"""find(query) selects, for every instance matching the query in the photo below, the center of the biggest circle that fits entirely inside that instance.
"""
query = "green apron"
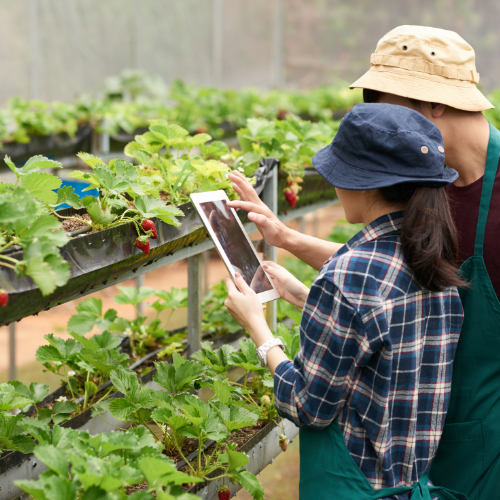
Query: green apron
(328, 472)
(468, 457)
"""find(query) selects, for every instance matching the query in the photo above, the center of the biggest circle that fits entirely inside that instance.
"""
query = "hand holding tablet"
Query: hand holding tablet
(232, 242)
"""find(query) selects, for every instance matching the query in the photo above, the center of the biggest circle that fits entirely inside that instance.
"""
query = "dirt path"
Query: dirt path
(30, 330)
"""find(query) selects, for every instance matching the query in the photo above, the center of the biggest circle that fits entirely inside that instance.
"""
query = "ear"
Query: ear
(433, 109)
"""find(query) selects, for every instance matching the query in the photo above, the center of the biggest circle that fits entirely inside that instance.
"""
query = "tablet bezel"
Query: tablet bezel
(197, 199)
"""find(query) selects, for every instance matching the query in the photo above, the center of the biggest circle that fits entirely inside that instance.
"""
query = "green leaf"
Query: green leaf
(100, 218)
(35, 489)
(53, 458)
(121, 409)
(41, 186)
(42, 274)
(126, 382)
(36, 392)
(41, 226)
(36, 163)
(250, 483)
(222, 391)
(236, 459)
(90, 160)
(64, 407)
(235, 417)
(214, 150)
(130, 295)
(90, 388)
(66, 194)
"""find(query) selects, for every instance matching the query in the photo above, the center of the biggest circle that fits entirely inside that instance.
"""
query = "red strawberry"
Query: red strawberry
(291, 197)
(4, 297)
(224, 493)
(201, 130)
(149, 225)
(142, 243)
(283, 442)
(290, 182)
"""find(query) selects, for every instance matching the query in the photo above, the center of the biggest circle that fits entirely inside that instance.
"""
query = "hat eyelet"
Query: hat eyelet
(433, 53)
(405, 47)
(424, 150)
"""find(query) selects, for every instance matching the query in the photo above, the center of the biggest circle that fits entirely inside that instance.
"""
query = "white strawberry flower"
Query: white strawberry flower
(128, 332)
(241, 170)
(62, 399)
(71, 373)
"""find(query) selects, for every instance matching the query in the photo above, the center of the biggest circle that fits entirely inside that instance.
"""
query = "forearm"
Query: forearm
(311, 250)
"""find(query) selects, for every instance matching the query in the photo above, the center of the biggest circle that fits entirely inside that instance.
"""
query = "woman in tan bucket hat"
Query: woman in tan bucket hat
(433, 71)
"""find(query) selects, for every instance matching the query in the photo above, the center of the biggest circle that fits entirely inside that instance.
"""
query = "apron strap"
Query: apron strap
(421, 490)
(490, 171)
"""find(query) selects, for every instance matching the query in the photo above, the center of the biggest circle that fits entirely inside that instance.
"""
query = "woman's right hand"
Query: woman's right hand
(273, 230)
(288, 286)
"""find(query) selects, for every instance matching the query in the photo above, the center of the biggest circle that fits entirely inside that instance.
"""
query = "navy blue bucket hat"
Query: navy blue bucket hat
(379, 145)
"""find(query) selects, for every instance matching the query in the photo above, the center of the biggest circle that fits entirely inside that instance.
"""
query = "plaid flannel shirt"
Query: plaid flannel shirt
(377, 354)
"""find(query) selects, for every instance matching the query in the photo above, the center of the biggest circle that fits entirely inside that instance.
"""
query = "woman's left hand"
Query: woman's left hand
(246, 308)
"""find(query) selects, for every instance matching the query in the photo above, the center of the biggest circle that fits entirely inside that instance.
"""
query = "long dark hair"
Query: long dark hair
(428, 235)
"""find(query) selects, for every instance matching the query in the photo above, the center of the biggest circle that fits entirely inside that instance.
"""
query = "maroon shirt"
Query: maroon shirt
(464, 204)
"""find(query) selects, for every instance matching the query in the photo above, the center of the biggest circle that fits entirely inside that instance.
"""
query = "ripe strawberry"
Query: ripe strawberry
(224, 493)
(4, 297)
(149, 225)
(282, 113)
(291, 197)
(290, 182)
(283, 442)
(142, 243)
(201, 130)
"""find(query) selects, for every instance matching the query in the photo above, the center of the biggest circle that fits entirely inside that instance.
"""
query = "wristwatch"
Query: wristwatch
(262, 350)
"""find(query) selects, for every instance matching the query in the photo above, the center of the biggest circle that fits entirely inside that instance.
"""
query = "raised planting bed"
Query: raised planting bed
(95, 258)
(314, 189)
(52, 146)
(16, 465)
(262, 448)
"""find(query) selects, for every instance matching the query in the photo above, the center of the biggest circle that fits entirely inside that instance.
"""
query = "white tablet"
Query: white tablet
(232, 242)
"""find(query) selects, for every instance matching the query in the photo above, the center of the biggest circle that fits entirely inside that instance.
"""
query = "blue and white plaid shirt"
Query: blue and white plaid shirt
(377, 354)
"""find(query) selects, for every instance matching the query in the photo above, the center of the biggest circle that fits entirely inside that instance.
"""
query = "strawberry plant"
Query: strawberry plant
(124, 196)
(293, 142)
(103, 466)
(164, 155)
(26, 224)
(215, 315)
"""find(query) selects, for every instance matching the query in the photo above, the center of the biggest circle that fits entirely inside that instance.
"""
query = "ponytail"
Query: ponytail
(428, 235)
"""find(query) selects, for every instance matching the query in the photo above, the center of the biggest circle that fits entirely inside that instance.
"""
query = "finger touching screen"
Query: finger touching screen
(235, 244)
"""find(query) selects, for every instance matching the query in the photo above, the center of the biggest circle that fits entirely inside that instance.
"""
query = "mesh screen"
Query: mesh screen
(51, 49)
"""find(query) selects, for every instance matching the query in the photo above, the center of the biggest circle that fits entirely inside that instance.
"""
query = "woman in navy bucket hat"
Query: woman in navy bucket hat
(370, 386)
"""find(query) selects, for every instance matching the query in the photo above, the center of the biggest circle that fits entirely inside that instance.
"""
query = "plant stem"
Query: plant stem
(105, 396)
(179, 449)
(70, 218)
(7, 265)
(85, 399)
(67, 381)
(112, 425)
(9, 259)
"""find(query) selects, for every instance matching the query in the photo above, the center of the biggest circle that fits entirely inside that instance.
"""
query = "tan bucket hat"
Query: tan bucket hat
(428, 64)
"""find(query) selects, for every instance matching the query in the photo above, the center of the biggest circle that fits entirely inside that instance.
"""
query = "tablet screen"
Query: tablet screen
(235, 244)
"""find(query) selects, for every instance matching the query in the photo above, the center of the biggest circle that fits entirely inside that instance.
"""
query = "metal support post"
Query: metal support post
(302, 227)
(270, 198)
(206, 263)
(103, 141)
(194, 303)
(139, 281)
(12, 351)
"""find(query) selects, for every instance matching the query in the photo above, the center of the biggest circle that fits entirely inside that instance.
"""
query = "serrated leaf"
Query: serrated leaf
(121, 409)
(36, 163)
(41, 186)
(42, 274)
(251, 484)
(64, 407)
(214, 150)
(90, 160)
(66, 194)
(131, 295)
(100, 218)
(53, 458)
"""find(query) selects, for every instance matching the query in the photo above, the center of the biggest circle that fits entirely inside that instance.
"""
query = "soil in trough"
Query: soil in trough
(70, 225)
(239, 438)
